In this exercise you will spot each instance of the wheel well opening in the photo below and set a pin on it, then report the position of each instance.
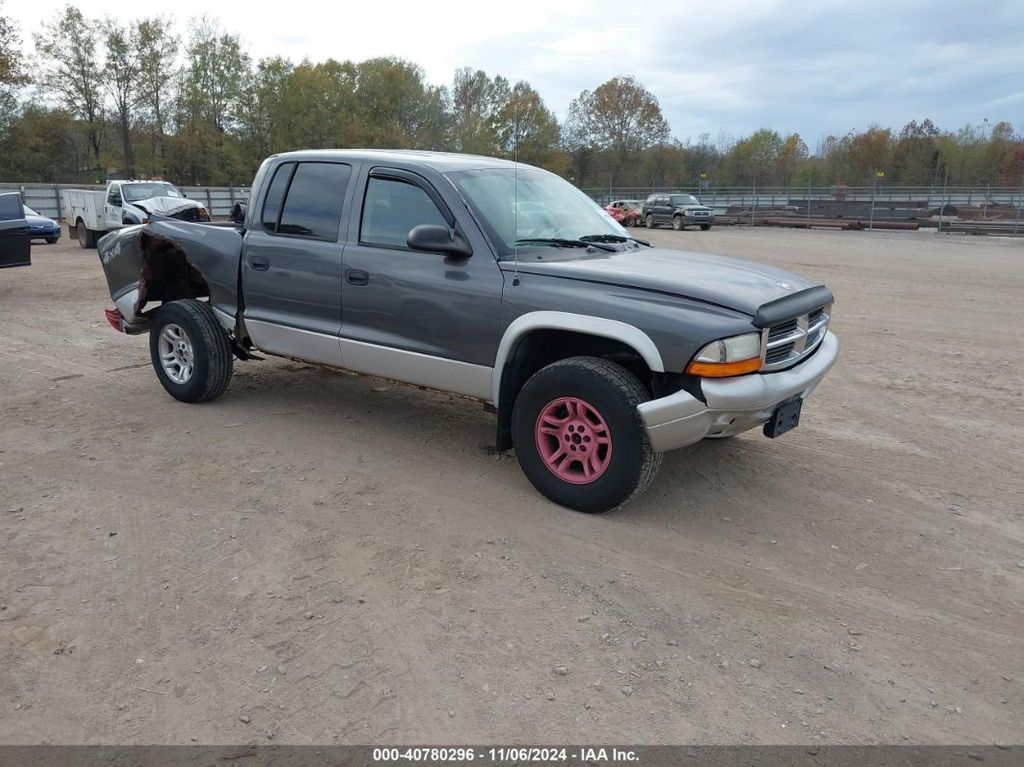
(542, 347)
(167, 274)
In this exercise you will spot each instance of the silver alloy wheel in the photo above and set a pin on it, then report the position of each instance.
(176, 355)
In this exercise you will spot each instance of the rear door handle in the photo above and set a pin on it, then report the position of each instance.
(357, 277)
(259, 263)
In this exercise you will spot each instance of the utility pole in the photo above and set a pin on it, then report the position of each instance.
(808, 200)
(1020, 206)
(753, 203)
(874, 190)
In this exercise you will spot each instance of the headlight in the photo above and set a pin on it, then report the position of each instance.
(728, 357)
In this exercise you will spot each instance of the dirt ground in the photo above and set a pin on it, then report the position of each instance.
(320, 558)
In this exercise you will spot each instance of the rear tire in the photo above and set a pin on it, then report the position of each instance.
(190, 351)
(650, 221)
(86, 236)
(586, 405)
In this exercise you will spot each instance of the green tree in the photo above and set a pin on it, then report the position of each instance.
(12, 73)
(45, 145)
(71, 71)
(476, 101)
(211, 92)
(122, 82)
(525, 128)
(915, 153)
(620, 117)
(792, 158)
(870, 152)
(754, 159)
(158, 51)
(397, 108)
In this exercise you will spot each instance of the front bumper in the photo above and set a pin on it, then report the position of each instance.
(734, 404)
(46, 234)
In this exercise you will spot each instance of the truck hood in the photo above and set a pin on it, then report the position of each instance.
(729, 282)
(165, 205)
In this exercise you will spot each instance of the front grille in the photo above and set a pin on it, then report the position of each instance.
(787, 343)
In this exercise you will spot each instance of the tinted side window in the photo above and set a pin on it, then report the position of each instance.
(275, 195)
(313, 205)
(392, 208)
(10, 207)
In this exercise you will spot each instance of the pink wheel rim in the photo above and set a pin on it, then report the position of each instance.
(573, 440)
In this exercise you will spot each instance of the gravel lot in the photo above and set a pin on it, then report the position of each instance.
(321, 558)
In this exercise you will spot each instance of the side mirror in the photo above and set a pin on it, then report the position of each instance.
(434, 238)
(237, 214)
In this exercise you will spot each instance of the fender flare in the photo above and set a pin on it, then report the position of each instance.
(580, 323)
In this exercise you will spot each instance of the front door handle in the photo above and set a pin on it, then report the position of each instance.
(259, 263)
(357, 277)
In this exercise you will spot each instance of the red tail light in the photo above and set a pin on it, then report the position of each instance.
(114, 318)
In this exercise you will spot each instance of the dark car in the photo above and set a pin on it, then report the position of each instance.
(679, 210)
(41, 227)
(14, 236)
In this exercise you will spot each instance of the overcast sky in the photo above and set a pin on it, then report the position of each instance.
(815, 67)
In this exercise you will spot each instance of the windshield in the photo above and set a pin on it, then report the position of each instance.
(531, 204)
(136, 192)
(684, 199)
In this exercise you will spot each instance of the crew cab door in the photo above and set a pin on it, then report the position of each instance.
(113, 207)
(15, 243)
(291, 263)
(424, 318)
(663, 210)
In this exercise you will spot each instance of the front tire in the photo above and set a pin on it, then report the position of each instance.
(579, 437)
(190, 351)
(677, 223)
(51, 240)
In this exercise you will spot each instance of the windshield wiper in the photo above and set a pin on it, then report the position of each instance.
(613, 238)
(559, 242)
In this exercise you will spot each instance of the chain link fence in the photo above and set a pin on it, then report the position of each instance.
(774, 197)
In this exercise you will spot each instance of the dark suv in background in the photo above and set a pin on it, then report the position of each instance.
(679, 210)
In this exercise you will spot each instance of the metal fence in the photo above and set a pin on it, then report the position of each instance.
(721, 198)
(44, 199)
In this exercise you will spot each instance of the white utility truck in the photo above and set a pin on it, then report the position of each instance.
(91, 213)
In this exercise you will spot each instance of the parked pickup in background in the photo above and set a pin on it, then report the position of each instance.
(91, 213)
(678, 210)
(597, 352)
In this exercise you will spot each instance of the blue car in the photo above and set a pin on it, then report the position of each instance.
(42, 228)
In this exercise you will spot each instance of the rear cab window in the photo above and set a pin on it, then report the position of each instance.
(10, 207)
(305, 199)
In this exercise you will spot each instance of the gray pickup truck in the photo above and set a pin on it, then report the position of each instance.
(487, 279)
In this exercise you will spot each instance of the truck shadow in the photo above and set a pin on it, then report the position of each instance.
(706, 481)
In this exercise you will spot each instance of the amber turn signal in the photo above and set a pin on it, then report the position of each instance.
(724, 369)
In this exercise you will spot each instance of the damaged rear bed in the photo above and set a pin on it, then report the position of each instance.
(167, 260)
